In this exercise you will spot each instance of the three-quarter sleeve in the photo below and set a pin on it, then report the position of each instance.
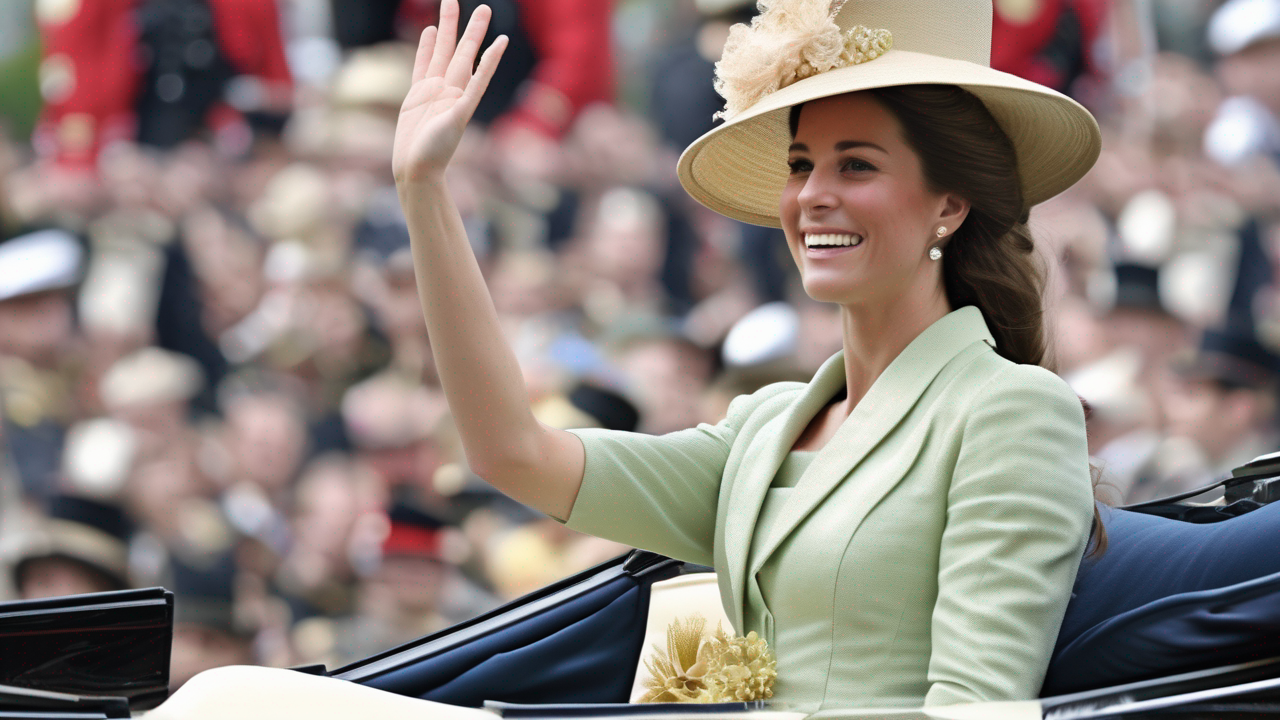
(1019, 510)
(659, 492)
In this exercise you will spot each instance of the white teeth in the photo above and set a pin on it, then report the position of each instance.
(832, 239)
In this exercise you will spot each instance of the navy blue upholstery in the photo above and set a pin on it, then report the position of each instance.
(1167, 597)
(582, 650)
(1170, 596)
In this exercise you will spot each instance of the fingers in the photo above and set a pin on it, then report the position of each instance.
(445, 39)
(484, 73)
(464, 58)
(426, 46)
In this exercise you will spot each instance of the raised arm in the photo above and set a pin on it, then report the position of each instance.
(535, 464)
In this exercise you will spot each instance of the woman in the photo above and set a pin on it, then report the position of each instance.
(906, 527)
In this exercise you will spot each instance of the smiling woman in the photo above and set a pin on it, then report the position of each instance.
(924, 553)
(928, 156)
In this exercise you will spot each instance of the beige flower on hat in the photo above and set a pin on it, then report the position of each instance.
(789, 41)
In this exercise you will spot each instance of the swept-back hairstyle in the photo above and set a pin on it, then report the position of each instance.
(990, 259)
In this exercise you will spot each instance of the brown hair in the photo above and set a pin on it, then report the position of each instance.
(990, 260)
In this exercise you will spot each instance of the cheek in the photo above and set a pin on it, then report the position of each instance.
(789, 215)
(789, 206)
(895, 218)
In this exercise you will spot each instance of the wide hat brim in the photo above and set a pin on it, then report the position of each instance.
(739, 168)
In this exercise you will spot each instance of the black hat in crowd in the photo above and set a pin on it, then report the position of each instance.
(414, 532)
(1138, 287)
(612, 410)
(1232, 357)
(204, 593)
(92, 534)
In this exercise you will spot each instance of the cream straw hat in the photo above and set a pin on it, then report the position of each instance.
(739, 168)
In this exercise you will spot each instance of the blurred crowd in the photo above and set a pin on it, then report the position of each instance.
(214, 371)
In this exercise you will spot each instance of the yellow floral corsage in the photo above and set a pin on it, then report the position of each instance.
(718, 668)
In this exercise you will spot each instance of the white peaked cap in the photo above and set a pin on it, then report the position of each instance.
(39, 261)
(1242, 128)
(768, 333)
(1240, 23)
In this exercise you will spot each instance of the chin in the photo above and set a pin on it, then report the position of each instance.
(829, 293)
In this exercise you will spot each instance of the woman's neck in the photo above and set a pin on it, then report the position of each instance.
(874, 335)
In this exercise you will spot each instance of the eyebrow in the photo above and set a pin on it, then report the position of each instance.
(840, 146)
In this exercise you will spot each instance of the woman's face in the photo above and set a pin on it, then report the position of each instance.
(855, 180)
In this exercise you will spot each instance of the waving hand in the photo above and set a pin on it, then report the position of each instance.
(444, 94)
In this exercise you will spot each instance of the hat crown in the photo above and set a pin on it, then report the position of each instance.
(959, 29)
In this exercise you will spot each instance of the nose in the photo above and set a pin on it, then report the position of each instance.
(817, 194)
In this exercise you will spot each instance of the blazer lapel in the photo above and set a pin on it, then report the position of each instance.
(890, 398)
(766, 451)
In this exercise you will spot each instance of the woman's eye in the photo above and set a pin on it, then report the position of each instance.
(859, 166)
(799, 166)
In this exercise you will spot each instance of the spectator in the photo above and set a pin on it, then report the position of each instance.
(83, 547)
(1220, 415)
(38, 274)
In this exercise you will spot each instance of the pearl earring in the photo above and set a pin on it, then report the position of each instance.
(935, 253)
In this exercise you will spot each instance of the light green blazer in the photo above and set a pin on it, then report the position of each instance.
(928, 552)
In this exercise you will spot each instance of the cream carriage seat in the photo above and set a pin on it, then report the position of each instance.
(678, 598)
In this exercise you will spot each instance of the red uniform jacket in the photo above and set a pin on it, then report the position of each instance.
(90, 74)
(1020, 48)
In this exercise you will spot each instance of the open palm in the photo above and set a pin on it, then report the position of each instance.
(444, 93)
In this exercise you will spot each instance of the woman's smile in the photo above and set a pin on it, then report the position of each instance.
(820, 245)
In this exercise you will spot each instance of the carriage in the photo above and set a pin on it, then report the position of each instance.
(1179, 618)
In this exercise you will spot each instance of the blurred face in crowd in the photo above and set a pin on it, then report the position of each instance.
(197, 648)
(160, 426)
(1215, 417)
(331, 495)
(55, 577)
(669, 377)
(267, 436)
(1157, 334)
(159, 490)
(1252, 72)
(627, 243)
(397, 306)
(34, 327)
(853, 177)
(414, 583)
(228, 266)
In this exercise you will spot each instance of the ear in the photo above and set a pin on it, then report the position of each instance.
(952, 212)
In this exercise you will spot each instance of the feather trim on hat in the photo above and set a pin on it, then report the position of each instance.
(789, 41)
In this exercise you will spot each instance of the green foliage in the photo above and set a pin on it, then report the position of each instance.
(20, 100)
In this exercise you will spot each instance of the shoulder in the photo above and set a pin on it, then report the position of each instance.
(1024, 429)
(999, 383)
(766, 400)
